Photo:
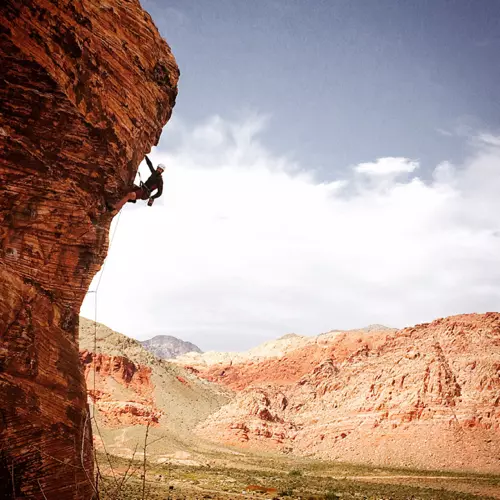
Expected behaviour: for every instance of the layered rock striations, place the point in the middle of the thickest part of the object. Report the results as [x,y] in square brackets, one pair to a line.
[426,397]
[136,405]
[86,88]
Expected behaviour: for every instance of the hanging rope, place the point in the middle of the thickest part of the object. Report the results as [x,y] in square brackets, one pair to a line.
[95,299]
[99,283]
[95,292]
[95,352]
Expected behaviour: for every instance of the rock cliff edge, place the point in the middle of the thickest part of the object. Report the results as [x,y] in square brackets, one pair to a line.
[85,91]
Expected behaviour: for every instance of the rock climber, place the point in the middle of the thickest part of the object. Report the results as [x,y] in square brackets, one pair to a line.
[144,191]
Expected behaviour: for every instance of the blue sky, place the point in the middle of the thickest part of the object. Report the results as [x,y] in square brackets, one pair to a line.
[329,165]
[342,81]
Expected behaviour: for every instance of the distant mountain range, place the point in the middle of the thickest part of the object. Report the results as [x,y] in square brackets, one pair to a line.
[168,347]
[275,348]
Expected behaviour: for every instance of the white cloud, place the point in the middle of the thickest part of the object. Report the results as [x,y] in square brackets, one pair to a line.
[489,139]
[446,133]
[245,246]
[387,166]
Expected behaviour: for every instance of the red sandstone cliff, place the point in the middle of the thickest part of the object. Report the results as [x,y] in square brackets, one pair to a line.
[427,397]
[295,363]
[86,88]
[138,407]
[133,387]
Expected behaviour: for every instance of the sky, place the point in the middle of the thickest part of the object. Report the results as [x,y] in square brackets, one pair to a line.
[330,164]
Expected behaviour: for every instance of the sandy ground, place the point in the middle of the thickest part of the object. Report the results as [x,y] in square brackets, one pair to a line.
[224,474]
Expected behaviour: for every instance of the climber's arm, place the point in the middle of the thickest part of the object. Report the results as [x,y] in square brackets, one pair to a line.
[159,191]
[150,165]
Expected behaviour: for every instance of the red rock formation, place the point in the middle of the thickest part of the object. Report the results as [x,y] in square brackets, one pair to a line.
[86,88]
[295,364]
[261,489]
[126,413]
[138,408]
[120,369]
[427,396]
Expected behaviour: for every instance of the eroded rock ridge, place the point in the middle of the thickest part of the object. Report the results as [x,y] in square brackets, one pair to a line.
[426,396]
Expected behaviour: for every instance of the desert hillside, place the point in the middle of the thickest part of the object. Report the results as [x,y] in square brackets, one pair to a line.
[425,397]
[333,418]
[133,388]
[421,397]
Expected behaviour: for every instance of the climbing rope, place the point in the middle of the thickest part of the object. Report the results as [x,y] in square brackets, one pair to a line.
[95,292]
[95,300]
[97,289]
[95,353]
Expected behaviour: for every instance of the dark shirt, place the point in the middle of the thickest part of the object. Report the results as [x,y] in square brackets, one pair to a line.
[155,180]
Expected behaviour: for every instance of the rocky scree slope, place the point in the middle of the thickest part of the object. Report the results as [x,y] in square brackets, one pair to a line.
[425,397]
[86,88]
[168,347]
[129,388]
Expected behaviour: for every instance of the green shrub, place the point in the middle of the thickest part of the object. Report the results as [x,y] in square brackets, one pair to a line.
[331,495]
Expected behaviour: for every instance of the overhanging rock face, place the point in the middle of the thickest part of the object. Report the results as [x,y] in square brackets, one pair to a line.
[85,89]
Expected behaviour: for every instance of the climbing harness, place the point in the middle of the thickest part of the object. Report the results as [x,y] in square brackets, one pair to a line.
[146,189]
[142,185]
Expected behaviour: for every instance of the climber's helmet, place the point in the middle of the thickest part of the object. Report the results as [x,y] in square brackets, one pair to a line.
[160,168]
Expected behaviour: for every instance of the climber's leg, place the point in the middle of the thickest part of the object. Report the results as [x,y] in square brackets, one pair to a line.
[132,196]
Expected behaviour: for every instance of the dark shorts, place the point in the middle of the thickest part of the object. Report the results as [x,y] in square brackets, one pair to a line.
[140,193]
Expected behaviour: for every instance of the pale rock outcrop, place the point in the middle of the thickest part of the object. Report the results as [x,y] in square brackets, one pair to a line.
[168,347]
